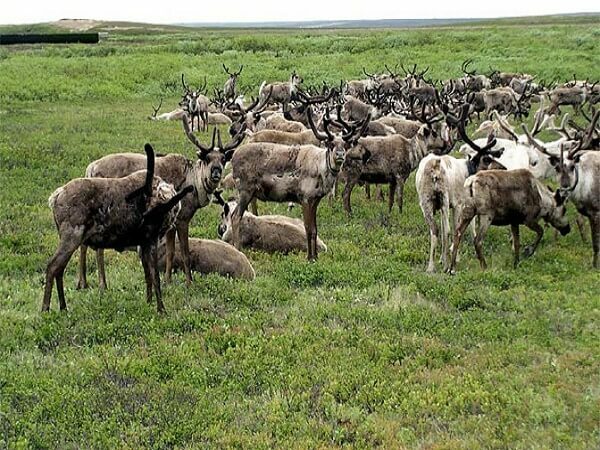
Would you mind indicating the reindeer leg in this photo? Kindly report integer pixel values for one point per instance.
(70, 240)
(400, 192)
(464, 221)
(484, 224)
(306, 215)
(368, 191)
(169, 254)
(514, 228)
(145, 259)
(155, 274)
(236, 219)
(346, 195)
(581, 226)
(101, 269)
(184, 244)
(445, 226)
(428, 214)
(539, 230)
(82, 281)
(391, 196)
(595, 229)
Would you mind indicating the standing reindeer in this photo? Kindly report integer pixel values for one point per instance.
(113, 213)
(298, 173)
(440, 186)
(196, 104)
(280, 92)
(229, 88)
(202, 175)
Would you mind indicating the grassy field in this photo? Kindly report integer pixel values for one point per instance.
(361, 349)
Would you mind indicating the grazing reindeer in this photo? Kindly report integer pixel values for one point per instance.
(508, 197)
(229, 89)
(203, 175)
(574, 96)
(113, 213)
(303, 174)
(280, 92)
(440, 185)
(196, 104)
(579, 176)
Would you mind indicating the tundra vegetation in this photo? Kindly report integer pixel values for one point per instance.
(359, 349)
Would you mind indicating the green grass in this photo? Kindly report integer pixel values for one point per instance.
(361, 349)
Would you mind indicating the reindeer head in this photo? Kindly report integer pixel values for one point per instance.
(249, 118)
(189, 100)
(208, 170)
(338, 144)
(435, 131)
(295, 79)
(224, 229)
(557, 216)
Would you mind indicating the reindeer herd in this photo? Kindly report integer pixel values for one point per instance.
(295, 144)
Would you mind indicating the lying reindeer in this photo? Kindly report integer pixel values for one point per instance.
(269, 233)
(210, 256)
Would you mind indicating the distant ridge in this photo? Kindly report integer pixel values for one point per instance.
(389, 23)
(382, 23)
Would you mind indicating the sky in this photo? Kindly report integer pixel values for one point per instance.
(181, 11)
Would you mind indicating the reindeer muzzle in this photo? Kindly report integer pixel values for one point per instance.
(565, 230)
(215, 174)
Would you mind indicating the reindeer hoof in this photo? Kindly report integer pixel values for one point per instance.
(81, 285)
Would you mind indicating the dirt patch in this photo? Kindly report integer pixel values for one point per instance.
(76, 24)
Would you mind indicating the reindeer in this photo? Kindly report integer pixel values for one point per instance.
(250, 118)
(393, 158)
(440, 187)
(472, 81)
(508, 197)
(270, 233)
(196, 104)
(203, 175)
(280, 92)
(229, 89)
(281, 173)
(210, 256)
(579, 175)
(574, 96)
(356, 110)
(113, 213)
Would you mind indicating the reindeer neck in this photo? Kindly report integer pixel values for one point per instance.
(201, 191)
(417, 151)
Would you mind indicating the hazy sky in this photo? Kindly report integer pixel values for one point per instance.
(175, 11)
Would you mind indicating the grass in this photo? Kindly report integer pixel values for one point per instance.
(361, 349)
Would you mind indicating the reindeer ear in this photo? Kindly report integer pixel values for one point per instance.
(229, 155)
